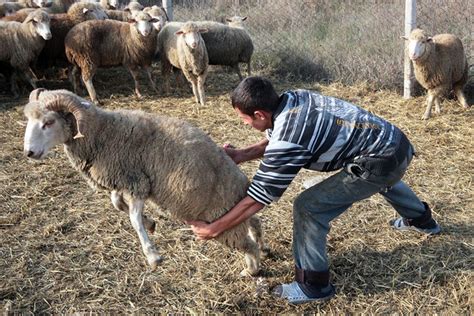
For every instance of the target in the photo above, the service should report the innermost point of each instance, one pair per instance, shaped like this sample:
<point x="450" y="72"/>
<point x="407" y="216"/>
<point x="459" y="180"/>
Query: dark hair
<point x="255" y="93"/>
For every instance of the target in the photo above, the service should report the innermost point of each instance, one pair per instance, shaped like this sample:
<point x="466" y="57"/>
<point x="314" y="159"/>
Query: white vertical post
<point x="408" y="73"/>
<point x="168" y="6"/>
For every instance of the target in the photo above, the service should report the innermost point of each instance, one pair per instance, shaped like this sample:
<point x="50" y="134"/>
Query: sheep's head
<point x="419" y="44"/>
<point x="143" y="22"/>
<point x="191" y="34"/>
<point x="42" y="3"/>
<point x="6" y="9"/>
<point x="158" y="13"/>
<point x="39" y="20"/>
<point x="47" y="125"/>
<point x="236" y="21"/>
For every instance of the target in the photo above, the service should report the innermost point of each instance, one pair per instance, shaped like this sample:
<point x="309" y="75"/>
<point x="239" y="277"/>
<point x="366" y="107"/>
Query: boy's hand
<point x="232" y="152"/>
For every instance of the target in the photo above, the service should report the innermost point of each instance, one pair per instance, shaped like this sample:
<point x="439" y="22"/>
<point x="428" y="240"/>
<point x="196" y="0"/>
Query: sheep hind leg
<point x="87" y="79"/>
<point x="256" y="233"/>
<point x="150" y="78"/>
<point x="136" y="218"/>
<point x="237" y="70"/>
<point x="119" y="203"/>
<point x="458" y="91"/>
<point x="252" y="255"/>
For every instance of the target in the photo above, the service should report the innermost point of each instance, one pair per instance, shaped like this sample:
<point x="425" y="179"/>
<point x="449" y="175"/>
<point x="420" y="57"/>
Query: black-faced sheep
<point x="182" y="46"/>
<point x="22" y="43"/>
<point x="440" y="66"/>
<point x="144" y="157"/>
<point x="109" y="43"/>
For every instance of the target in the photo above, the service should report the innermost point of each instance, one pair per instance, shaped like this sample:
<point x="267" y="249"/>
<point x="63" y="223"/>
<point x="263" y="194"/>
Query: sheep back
<point x="226" y="45"/>
<point x="108" y="43"/>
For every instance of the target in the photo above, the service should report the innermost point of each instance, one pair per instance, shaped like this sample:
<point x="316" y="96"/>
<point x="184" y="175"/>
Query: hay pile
<point x="64" y="249"/>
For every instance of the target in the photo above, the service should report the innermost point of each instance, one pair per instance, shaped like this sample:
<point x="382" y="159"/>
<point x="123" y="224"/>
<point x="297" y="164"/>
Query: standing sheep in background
<point x="125" y="14"/>
<point x="440" y="66"/>
<point x="158" y="13"/>
<point x="109" y="43"/>
<point x="228" y="45"/>
<point x="22" y="43"/>
<point x="182" y="46"/>
<point x="142" y="157"/>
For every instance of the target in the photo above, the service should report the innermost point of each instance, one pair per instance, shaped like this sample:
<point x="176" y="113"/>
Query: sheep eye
<point x="47" y="124"/>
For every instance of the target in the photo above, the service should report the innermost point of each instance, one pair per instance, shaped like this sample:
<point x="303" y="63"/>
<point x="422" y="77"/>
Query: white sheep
<point x="440" y="66"/>
<point x="158" y="13"/>
<point x="182" y="46"/>
<point x="22" y="43"/>
<point x="126" y="13"/>
<point x="108" y="43"/>
<point x="228" y="45"/>
<point x="143" y="157"/>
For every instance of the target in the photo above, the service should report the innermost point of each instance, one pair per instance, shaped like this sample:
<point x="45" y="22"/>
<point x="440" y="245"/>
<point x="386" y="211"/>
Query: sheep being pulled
<point x="108" y="43"/>
<point x="440" y="66"/>
<point x="22" y="43"/>
<point x="181" y="46"/>
<point x="138" y="156"/>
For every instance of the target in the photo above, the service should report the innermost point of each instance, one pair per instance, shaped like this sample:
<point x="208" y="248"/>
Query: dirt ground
<point x="64" y="249"/>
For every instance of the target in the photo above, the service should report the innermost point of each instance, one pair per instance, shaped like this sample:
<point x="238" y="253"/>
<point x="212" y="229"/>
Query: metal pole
<point x="168" y="6"/>
<point x="410" y="24"/>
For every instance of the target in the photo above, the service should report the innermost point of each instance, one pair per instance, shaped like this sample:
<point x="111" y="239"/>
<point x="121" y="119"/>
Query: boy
<point x="308" y="130"/>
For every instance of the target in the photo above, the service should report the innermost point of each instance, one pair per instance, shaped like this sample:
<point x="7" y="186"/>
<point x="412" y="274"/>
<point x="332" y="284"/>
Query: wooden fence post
<point x="408" y="73"/>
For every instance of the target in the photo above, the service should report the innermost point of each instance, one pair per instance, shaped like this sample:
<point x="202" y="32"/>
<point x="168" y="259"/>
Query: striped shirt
<point x="319" y="133"/>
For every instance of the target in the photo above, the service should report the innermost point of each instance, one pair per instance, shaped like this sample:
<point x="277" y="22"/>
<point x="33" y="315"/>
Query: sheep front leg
<point x="119" y="203"/>
<point x="256" y="233"/>
<point x="134" y="73"/>
<point x="201" y="79"/>
<point x="193" y="80"/>
<point x="429" y="105"/>
<point x="136" y="217"/>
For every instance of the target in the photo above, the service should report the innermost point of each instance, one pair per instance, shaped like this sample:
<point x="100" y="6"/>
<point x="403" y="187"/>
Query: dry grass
<point x="64" y="249"/>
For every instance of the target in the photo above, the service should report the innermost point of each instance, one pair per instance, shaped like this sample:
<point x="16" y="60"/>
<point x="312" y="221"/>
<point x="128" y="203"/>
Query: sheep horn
<point x="67" y="103"/>
<point x="34" y="95"/>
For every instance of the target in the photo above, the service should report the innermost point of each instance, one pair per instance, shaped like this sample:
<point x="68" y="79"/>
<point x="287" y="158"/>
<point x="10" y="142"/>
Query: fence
<point x="334" y="40"/>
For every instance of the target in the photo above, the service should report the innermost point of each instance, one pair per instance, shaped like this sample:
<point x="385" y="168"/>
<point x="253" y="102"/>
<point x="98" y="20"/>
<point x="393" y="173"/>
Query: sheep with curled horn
<point x="138" y="156"/>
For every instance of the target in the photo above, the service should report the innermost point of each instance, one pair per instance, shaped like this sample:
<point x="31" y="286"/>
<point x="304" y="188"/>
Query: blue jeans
<point x="317" y="206"/>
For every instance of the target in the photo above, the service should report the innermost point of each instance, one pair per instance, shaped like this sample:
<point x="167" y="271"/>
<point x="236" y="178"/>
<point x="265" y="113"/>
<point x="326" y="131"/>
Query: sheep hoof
<point x="155" y="262"/>
<point x="265" y="252"/>
<point x="151" y="228"/>
<point x="425" y="117"/>
<point x="245" y="273"/>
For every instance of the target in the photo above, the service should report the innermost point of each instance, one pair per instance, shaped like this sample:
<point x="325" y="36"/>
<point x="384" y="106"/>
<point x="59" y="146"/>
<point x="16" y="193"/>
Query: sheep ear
<point x="85" y="10"/>
<point x="404" y="37"/>
<point x="179" y="32"/>
<point x="244" y="18"/>
<point x="203" y="30"/>
<point x="34" y="95"/>
<point x="132" y="21"/>
<point x="429" y="39"/>
<point x="154" y="20"/>
<point x="228" y="20"/>
<point x="49" y="4"/>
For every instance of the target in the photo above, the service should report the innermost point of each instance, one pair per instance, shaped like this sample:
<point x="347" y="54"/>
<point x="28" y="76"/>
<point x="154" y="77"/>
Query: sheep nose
<point x="29" y="153"/>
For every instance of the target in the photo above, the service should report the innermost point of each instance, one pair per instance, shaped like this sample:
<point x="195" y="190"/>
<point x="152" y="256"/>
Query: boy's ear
<point x="261" y="115"/>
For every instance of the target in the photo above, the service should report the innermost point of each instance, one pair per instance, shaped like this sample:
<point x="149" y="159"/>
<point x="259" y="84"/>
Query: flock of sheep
<point x="91" y="35"/>
<point x="138" y="156"/>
